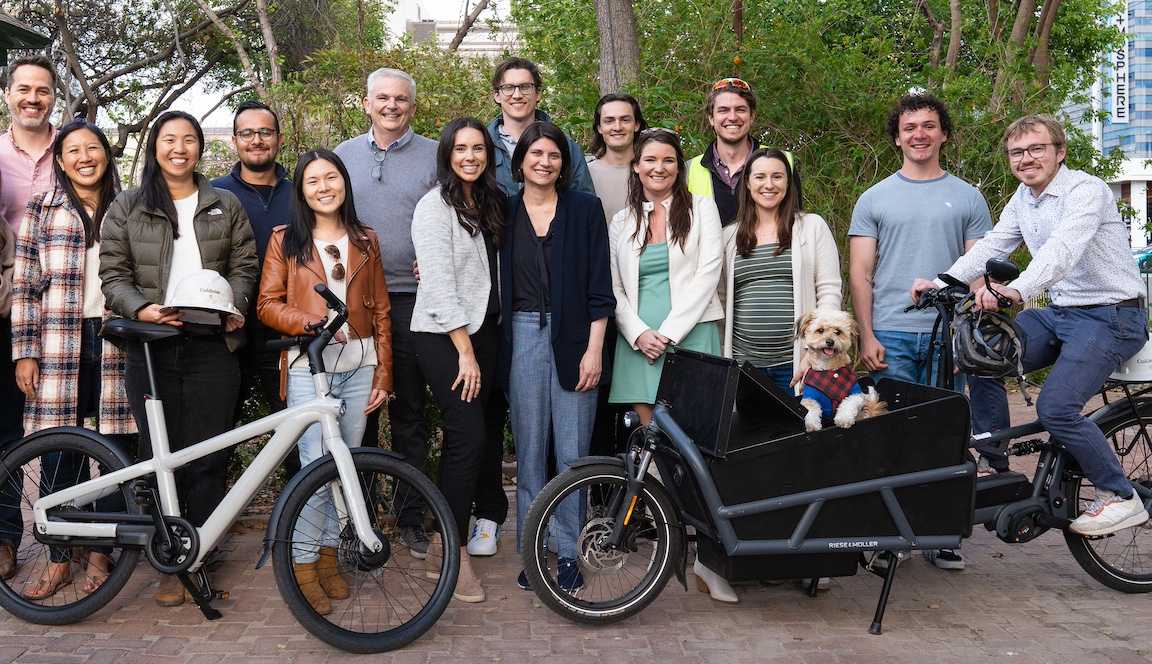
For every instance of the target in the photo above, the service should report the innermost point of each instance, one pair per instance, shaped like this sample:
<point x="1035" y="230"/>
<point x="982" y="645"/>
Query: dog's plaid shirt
<point x="836" y="384"/>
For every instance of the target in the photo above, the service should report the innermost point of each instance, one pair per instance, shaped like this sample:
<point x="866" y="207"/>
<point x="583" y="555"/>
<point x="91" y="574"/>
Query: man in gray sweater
<point x="391" y="168"/>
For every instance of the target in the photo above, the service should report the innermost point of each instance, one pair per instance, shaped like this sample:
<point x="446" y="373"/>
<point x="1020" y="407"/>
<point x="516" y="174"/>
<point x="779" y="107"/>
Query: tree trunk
<point x="937" y="33"/>
<point x="269" y="41"/>
<point x="1041" y="60"/>
<point x="469" y="21"/>
<point x="241" y="52"/>
<point x="954" y="32"/>
<point x="619" y="50"/>
<point x="1013" y="53"/>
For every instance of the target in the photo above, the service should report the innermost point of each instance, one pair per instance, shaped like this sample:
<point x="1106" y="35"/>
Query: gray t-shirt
<point x="920" y="228"/>
<point x="611" y="184"/>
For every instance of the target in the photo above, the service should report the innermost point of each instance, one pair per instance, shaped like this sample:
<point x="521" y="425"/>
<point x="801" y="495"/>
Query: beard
<point x="30" y="123"/>
<point x="260" y="166"/>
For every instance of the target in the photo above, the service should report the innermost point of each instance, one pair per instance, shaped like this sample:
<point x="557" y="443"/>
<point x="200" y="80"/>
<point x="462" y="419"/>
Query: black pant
<point x="491" y="502"/>
<point x="463" y="421"/>
<point x="198" y="379"/>
<point x="11" y="430"/>
<point x="405" y="412"/>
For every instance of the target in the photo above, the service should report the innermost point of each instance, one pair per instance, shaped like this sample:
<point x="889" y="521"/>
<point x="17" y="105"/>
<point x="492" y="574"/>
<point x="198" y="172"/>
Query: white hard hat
<point x="1138" y="368"/>
<point x="203" y="289"/>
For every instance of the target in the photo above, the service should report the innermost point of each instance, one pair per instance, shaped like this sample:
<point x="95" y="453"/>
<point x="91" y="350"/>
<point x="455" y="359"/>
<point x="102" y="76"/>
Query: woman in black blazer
<point x="556" y="292"/>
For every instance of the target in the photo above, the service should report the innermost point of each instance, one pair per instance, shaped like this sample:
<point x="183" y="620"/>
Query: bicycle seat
<point x="136" y="330"/>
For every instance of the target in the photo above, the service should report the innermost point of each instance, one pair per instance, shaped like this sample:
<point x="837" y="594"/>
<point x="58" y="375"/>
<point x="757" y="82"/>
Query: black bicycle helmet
<point x="986" y="343"/>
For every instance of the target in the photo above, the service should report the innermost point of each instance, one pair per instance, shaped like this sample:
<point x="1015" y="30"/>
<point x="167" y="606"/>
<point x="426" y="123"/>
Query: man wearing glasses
<point x="391" y="168"/>
<point x="263" y="187"/>
<point x="1098" y="319"/>
<point x="731" y="111"/>
<point x="516" y="87"/>
<point x="913" y="223"/>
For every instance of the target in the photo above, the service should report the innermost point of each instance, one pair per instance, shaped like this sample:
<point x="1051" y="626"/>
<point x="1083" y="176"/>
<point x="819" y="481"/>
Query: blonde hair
<point x="1030" y="123"/>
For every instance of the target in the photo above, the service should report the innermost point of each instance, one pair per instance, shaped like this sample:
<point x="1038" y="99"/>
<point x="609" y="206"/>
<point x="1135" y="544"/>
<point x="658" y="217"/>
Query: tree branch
<point x="937" y="32"/>
<point x="458" y="38"/>
<point x="270" y="43"/>
<point x="954" y="33"/>
<point x="241" y="52"/>
<point x="246" y="88"/>
<point x="67" y="44"/>
<point x="1041" y="60"/>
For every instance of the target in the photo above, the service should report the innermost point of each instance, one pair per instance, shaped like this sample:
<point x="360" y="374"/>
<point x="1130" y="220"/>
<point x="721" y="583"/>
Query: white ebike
<point x="77" y="492"/>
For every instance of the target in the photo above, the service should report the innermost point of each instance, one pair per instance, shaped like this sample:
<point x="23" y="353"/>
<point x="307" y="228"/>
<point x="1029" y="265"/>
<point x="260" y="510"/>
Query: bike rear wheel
<point x="391" y="598"/>
<point x="1123" y="560"/>
<point x="39" y="467"/>
<point x="616" y="583"/>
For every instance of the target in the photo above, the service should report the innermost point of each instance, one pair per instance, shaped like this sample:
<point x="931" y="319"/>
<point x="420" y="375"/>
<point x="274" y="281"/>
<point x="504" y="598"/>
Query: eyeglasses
<point x="337" y="269"/>
<point x="732" y="82"/>
<point x="248" y="134"/>
<point x="509" y="89"/>
<point x="1036" y="150"/>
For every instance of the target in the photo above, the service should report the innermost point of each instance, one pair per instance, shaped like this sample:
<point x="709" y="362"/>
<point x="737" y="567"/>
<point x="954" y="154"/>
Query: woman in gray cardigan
<point x="456" y="231"/>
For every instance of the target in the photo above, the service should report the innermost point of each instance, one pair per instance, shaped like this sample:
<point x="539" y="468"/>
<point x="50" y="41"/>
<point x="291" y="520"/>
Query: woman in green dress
<point x="666" y="260"/>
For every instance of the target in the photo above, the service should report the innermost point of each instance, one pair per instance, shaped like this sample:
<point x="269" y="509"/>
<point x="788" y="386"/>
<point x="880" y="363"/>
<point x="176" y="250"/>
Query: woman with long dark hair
<point x="457" y="229"/>
<point x="780" y="263"/>
<point x="556" y="295"/>
<point x="156" y="240"/>
<point x="666" y="256"/>
<point x="67" y="373"/>
<point x="325" y="243"/>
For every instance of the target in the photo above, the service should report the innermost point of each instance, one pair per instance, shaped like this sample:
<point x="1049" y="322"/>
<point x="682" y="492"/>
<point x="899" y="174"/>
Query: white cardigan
<point x="816" y="282"/>
<point x="693" y="273"/>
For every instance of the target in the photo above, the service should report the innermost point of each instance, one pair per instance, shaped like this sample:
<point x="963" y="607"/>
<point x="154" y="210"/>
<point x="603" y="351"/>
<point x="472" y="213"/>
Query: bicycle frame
<point x="288" y="425"/>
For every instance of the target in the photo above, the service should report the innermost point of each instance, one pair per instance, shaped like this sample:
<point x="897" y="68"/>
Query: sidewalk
<point x="1027" y="603"/>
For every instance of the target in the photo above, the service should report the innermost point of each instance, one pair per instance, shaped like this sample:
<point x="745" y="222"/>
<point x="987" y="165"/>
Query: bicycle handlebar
<point x="313" y="344"/>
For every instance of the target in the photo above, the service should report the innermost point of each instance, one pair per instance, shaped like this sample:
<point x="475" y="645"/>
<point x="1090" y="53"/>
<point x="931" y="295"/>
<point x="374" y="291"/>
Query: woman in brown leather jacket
<point x="327" y="244"/>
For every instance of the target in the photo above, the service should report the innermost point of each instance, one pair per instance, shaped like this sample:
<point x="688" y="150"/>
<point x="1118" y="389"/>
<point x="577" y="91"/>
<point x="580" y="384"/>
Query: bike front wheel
<point x="388" y="598"/>
<point x="59" y="584"/>
<point x="606" y="584"/>
<point x="1123" y="560"/>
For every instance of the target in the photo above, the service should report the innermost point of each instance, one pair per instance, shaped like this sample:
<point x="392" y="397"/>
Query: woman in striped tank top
<point x="779" y="263"/>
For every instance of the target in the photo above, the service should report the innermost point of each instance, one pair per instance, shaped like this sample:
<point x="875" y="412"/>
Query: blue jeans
<point x="537" y="406"/>
<point x="780" y="375"/>
<point x="318" y="525"/>
<point x="1083" y="346"/>
<point x="907" y="356"/>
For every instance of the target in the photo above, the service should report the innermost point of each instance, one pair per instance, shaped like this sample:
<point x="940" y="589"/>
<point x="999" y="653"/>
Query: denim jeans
<point x="318" y="525"/>
<point x="780" y="375"/>
<point x="539" y="406"/>
<point x="907" y="356"/>
<point x="1083" y="346"/>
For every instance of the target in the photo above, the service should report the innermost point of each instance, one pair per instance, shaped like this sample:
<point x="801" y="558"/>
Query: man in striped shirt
<point x="1098" y="319"/>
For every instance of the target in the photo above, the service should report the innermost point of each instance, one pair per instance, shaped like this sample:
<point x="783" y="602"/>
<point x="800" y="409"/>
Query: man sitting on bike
<point x="1081" y="257"/>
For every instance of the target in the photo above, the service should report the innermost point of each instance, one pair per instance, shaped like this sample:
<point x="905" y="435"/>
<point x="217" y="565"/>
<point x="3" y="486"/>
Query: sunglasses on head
<point x="732" y="82"/>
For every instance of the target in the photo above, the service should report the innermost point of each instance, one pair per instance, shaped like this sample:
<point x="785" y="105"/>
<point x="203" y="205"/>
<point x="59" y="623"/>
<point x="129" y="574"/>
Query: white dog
<point x="829" y="382"/>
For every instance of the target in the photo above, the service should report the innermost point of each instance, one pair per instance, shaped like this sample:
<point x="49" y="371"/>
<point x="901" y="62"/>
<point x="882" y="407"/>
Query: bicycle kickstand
<point x="882" y="605"/>
<point x="202" y="593"/>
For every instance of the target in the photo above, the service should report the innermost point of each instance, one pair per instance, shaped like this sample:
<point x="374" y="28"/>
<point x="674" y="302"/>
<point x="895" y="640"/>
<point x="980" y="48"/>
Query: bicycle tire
<point x="27" y="458"/>
<point x="410" y="580"/>
<point x="664" y="537"/>
<point x="1095" y="554"/>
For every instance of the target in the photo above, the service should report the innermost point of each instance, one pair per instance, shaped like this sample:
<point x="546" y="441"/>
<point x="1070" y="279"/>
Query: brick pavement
<point x="1026" y="603"/>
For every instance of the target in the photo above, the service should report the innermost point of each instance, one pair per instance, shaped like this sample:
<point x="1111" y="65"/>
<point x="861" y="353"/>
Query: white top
<point x="340" y="357"/>
<point x="93" y="296"/>
<point x="185" y="249"/>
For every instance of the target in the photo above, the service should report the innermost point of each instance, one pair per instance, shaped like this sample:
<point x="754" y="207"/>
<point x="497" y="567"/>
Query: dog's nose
<point x="829" y="343"/>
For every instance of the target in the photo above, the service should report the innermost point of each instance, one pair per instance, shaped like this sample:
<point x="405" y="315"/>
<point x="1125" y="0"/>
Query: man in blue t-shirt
<point x="917" y="221"/>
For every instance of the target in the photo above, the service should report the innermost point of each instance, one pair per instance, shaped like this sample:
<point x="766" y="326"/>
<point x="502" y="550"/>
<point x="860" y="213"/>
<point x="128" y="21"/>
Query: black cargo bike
<point x="767" y="500"/>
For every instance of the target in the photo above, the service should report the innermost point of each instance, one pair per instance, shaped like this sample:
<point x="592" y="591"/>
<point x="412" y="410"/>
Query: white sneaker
<point x="485" y="536"/>
<point x="1110" y="513"/>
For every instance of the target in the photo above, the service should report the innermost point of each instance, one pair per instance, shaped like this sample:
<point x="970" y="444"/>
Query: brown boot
<point x="333" y="583"/>
<point x="309" y="584"/>
<point x="435" y="559"/>
<point x="170" y="592"/>
<point x="7" y="561"/>
<point x="468" y="587"/>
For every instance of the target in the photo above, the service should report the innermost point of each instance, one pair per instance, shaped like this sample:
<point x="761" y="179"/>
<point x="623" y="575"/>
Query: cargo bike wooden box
<point x="765" y="498"/>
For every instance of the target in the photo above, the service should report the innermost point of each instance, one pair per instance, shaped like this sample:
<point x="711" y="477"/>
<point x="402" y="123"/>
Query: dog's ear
<point x="803" y="323"/>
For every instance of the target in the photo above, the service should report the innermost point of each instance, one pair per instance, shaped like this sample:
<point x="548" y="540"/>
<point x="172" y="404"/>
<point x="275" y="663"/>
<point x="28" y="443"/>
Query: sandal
<point x="99" y="567"/>
<point x="55" y="577"/>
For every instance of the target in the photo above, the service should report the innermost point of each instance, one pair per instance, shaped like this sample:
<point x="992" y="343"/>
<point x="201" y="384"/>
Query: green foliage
<point x="826" y="74"/>
<point x="322" y="104"/>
